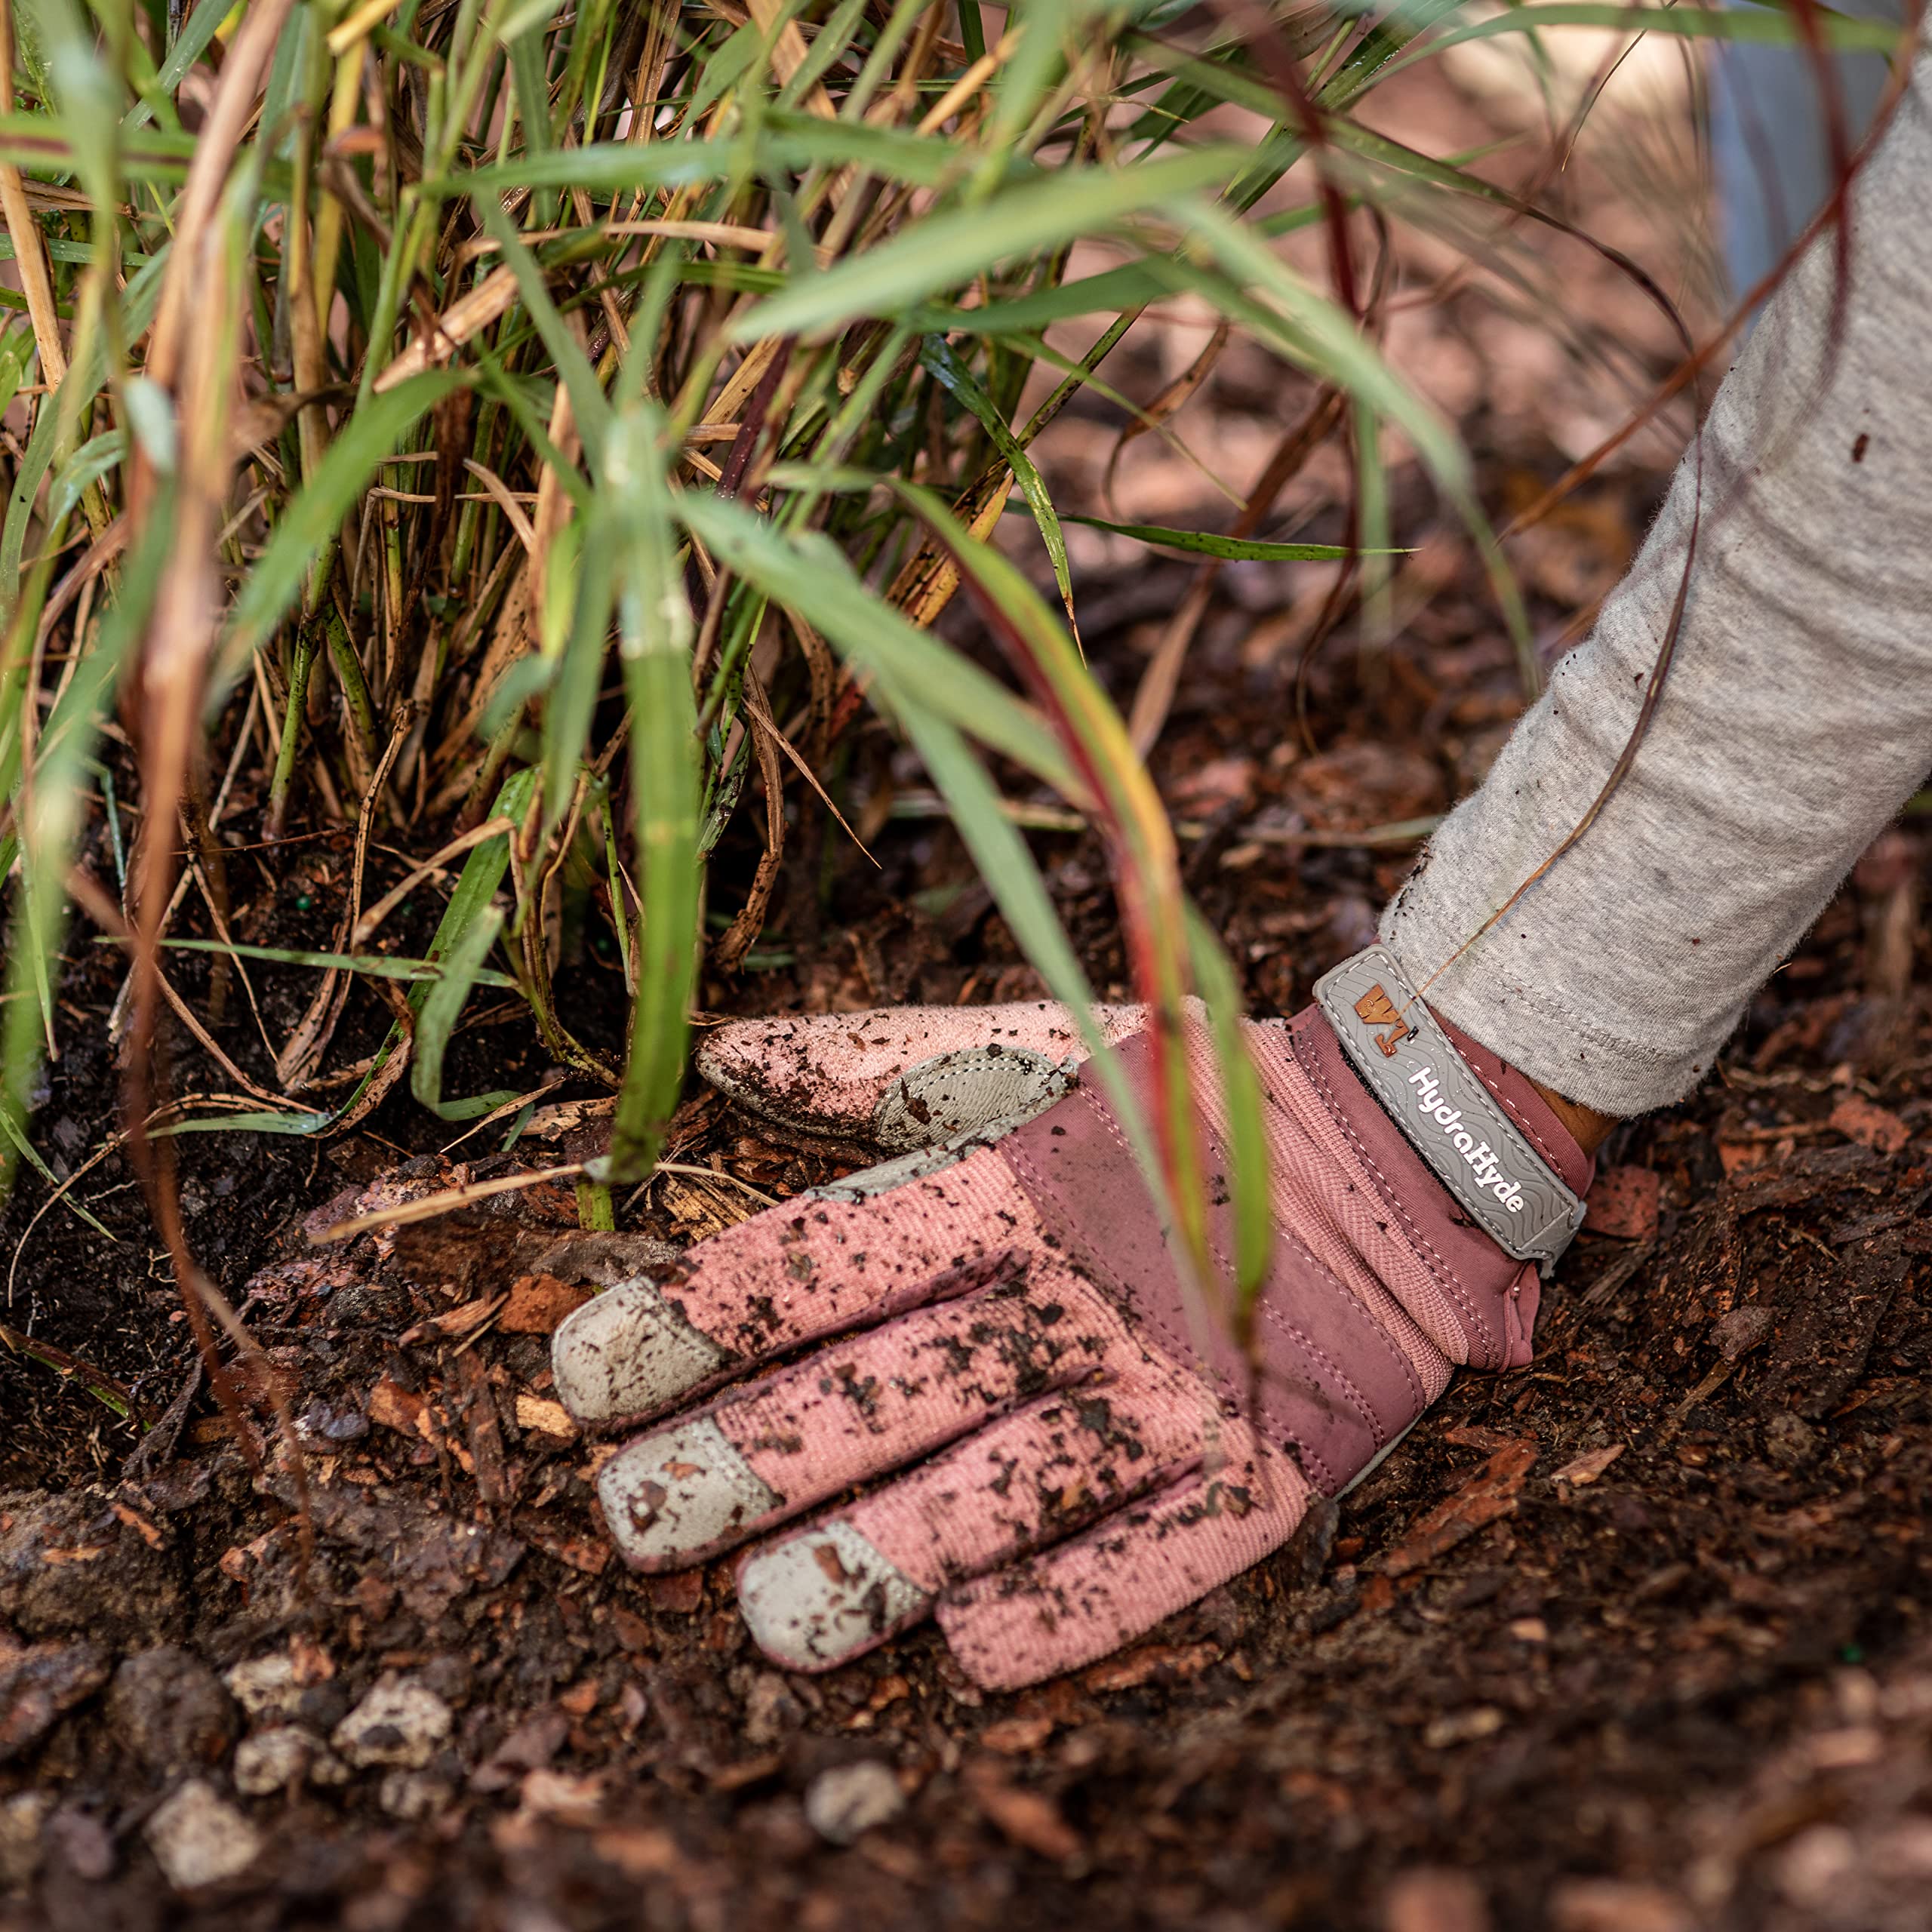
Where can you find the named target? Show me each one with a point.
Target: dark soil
(1634, 1641)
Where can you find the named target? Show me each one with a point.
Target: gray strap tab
(1411, 1067)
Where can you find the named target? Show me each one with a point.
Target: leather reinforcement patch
(1411, 1064)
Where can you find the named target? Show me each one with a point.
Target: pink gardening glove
(987, 1332)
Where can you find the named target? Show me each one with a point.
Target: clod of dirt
(1741, 1330)
(1790, 1442)
(200, 1838)
(400, 1724)
(847, 1802)
(169, 1708)
(78, 1565)
(280, 1757)
(40, 1685)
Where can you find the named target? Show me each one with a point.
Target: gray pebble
(847, 1802)
(401, 1723)
(200, 1838)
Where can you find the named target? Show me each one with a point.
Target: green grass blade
(946, 368)
(462, 968)
(655, 642)
(807, 573)
(1241, 1098)
(369, 438)
(372, 965)
(946, 251)
(1205, 543)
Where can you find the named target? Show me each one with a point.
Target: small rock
(1468, 1727)
(169, 1708)
(450, 1677)
(267, 1686)
(401, 1723)
(1623, 1203)
(415, 1797)
(200, 1838)
(1814, 1868)
(21, 1817)
(569, 1800)
(847, 1802)
(528, 1748)
(76, 1841)
(274, 1759)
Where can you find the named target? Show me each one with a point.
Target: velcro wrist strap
(1454, 1122)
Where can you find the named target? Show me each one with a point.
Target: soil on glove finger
(1634, 1641)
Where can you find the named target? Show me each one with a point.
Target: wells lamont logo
(1376, 1009)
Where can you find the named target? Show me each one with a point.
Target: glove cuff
(1464, 1125)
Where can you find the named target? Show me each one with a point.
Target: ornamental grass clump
(503, 431)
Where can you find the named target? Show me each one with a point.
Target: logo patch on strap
(1375, 1008)
(1404, 1057)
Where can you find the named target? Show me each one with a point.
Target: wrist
(1589, 1128)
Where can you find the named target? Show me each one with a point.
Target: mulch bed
(1634, 1641)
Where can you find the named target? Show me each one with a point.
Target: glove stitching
(1352, 1304)
(1436, 1262)
(1309, 1346)
(1179, 1346)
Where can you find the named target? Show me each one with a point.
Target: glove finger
(850, 1580)
(905, 1076)
(812, 1268)
(1114, 1582)
(847, 1413)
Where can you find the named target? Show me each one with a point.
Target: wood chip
(1176, 1662)
(1029, 1818)
(546, 1418)
(1623, 1204)
(1870, 1126)
(1491, 1493)
(681, 1592)
(538, 1303)
(394, 1407)
(1014, 1737)
(1587, 1468)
